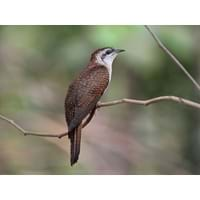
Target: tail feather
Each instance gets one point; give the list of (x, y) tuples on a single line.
[(75, 140)]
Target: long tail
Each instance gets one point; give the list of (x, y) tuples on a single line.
[(75, 140)]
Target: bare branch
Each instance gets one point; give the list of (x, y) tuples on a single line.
[(151, 101), (25, 132), (91, 115), (33, 133), (106, 104), (166, 50)]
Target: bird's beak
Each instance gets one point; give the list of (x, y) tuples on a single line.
[(119, 50)]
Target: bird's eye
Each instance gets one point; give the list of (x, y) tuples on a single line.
[(109, 51)]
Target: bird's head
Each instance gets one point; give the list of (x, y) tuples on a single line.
[(105, 56)]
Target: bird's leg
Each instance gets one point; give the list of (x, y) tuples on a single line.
[(91, 115)]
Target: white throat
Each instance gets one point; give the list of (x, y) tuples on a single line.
[(107, 62)]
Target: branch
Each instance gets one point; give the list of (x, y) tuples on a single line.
[(25, 132), (33, 133), (106, 104), (91, 115), (173, 57), (151, 101)]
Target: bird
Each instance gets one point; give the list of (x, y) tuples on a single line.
[(84, 93)]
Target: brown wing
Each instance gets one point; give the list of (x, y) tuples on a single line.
[(84, 93)]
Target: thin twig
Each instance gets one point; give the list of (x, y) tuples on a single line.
[(172, 56), (26, 132), (87, 121), (151, 101), (106, 104)]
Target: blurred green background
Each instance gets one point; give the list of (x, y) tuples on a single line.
[(37, 63)]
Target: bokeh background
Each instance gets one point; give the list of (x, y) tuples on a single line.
[(37, 64)]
